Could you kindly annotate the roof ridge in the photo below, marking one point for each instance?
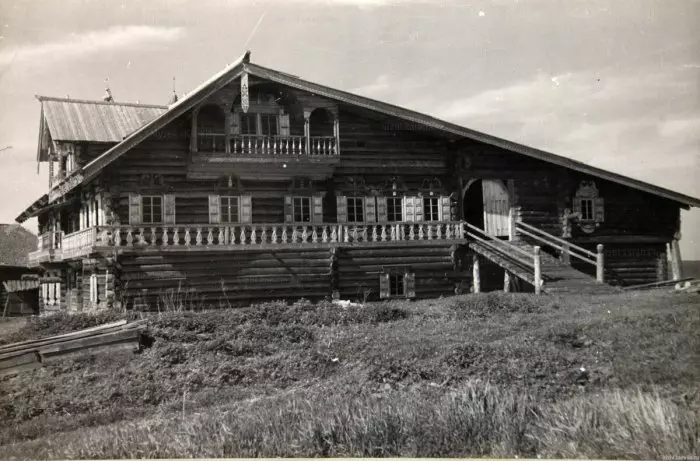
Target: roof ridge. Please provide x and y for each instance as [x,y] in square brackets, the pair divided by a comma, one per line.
[105,103]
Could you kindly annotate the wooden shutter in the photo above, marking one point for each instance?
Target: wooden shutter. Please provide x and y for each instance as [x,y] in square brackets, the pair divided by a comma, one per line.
[317,208]
[370,209]
[246,209]
[577,205]
[599,206]
[288,209]
[418,208]
[342,208]
[382,210]
[384,285]
[409,214]
[134,209]
[409,280]
[235,121]
[169,209]
[214,209]
[284,125]
[445,207]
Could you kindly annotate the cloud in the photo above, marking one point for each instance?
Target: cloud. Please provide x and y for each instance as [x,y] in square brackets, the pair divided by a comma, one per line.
[616,121]
[79,45]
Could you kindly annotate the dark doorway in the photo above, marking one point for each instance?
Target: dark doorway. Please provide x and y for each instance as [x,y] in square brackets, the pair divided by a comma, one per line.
[473,204]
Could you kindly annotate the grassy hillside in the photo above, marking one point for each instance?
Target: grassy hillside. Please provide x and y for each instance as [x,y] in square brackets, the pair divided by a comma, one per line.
[475,375]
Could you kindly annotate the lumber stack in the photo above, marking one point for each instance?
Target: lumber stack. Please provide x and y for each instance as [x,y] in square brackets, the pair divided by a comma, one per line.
[29,355]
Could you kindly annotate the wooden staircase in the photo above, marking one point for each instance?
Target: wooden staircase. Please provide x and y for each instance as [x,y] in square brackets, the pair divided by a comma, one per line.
[547,273]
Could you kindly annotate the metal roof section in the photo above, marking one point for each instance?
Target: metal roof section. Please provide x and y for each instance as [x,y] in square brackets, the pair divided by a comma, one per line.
[76,120]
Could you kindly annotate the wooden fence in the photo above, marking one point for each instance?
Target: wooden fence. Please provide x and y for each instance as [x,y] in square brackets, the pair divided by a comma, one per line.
[29,355]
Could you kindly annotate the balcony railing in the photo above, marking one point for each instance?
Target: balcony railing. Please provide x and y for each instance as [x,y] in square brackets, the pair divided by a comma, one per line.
[86,241]
[280,234]
[77,243]
[268,145]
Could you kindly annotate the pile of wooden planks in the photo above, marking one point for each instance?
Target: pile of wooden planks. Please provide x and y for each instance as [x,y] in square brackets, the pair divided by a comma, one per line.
[28,355]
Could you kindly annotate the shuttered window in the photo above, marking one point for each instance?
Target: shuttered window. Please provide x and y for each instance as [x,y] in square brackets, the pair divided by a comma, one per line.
[397,283]
[588,204]
[356,209]
[229,209]
[430,209]
[268,125]
[301,209]
[248,123]
[394,207]
[152,209]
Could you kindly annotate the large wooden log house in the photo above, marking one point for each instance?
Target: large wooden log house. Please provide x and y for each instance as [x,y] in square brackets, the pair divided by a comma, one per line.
[261,185]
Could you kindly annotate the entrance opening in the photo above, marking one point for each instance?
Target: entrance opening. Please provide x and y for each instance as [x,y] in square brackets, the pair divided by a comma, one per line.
[473,204]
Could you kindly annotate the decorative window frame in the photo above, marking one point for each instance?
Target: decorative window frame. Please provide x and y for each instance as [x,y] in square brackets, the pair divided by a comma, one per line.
[589,207]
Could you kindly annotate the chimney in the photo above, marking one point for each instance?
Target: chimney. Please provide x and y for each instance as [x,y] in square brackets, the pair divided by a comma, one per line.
[108,94]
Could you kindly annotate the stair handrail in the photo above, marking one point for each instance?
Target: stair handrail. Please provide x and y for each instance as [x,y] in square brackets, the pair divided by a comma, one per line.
[548,238]
[500,242]
[566,247]
[535,265]
[501,250]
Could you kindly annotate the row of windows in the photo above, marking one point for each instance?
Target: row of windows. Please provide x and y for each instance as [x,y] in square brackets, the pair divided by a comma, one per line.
[150,209]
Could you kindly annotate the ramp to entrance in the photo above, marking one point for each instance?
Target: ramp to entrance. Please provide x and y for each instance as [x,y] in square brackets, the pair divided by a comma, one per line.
[545,272]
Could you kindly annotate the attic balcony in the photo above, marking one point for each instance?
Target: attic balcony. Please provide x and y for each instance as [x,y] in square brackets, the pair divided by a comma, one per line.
[246,237]
[283,157]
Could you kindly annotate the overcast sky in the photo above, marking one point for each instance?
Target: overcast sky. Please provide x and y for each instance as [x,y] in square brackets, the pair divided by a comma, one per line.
[613,83]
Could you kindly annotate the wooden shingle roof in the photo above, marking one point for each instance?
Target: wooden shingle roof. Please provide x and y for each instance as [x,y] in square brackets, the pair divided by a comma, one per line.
[15,243]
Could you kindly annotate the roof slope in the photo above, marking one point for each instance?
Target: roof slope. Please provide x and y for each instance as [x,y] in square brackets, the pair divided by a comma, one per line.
[243,64]
[96,121]
[15,243]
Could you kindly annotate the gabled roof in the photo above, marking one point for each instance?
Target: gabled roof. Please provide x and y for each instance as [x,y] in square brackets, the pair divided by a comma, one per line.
[243,64]
[15,243]
[94,121]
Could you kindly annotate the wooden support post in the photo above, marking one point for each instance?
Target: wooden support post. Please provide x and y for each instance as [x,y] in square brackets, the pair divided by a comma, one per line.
[476,279]
[506,282]
[538,271]
[676,260]
[599,263]
[512,231]
[307,132]
[565,255]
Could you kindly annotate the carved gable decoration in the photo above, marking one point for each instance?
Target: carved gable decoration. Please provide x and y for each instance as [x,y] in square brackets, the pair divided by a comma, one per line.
[245,100]
[394,186]
[302,184]
[151,180]
[431,186]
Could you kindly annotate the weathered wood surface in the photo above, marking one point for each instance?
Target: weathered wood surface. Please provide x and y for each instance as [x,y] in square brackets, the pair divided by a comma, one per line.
[29,355]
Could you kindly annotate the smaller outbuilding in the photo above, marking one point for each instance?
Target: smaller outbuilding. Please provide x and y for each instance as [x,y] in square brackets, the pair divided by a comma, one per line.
[19,284]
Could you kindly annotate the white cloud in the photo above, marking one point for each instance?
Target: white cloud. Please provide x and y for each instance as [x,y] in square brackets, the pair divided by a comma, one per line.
[79,45]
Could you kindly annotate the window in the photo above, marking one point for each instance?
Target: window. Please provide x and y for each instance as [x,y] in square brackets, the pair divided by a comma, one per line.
[394,209]
[587,209]
[249,123]
[268,124]
[356,209]
[152,209]
[397,282]
[589,206]
[430,209]
[302,209]
[396,285]
[229,209]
